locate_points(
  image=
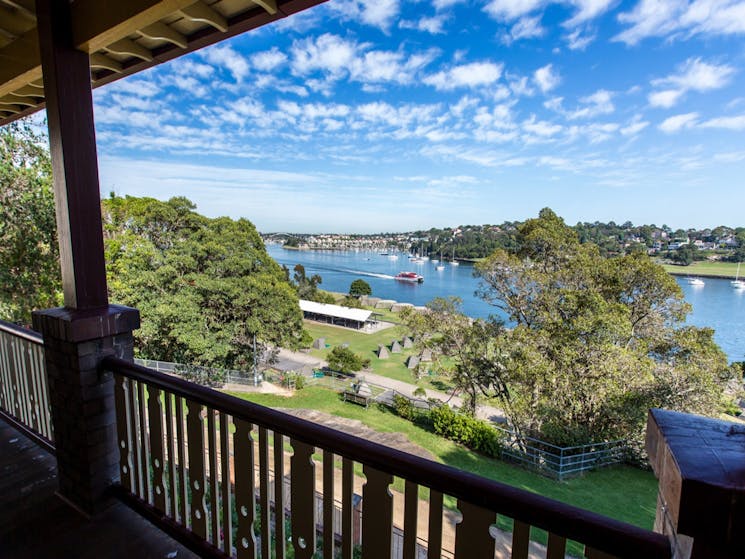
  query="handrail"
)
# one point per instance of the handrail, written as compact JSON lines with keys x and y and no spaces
{"x":21,"y":332}
{"x":572,"y":522}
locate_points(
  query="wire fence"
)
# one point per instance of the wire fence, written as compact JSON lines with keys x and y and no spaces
{"x":560,"y":462}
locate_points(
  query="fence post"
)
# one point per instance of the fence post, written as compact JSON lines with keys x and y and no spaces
{"x":701,"y":500}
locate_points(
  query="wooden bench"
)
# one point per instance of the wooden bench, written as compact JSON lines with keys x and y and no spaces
{"x":354,"y":397}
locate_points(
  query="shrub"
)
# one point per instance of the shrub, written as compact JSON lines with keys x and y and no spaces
{"x":293,"y":380}
{"x":466,"y":430}
{"x":403,"y":407}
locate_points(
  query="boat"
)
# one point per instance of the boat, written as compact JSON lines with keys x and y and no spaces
{"x":737,"y":283}
{"x":454,"y":262}
{"x":440,"y":267}
{"x":393,"y":257}
{"x":409,"y":276}
{"x":695,"y":281}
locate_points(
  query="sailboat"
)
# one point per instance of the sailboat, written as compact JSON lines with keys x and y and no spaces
{"x":439,"y":267}
{"x":737,"y":283}
{"x":454,"y":262}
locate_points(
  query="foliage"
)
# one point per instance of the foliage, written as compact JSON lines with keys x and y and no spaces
{"x":596,"y":341}
{"x":307,"y":287}
{"x":458,"y":343}
{"x":295,"y":381}
{"x":359,"y":287}
{"x":466,"y":430}
{"x":206,"y":288}
{"x":206,"y":376}
{"x":344,"y":360}
{"x":403,"y":407}
{"x":29,"y":252}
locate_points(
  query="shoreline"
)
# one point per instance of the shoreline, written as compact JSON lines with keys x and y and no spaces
{"x":683,"y":273}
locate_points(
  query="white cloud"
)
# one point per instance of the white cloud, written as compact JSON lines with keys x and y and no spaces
{"x":433,"y":25}
{"x":508,"y":10}
{"x":442,"y":4}
{"x":599,"y":103}
{"x":338,"y":57}
{"x":268,"y":60}
{"x":377,"y":13}
{"x":666,"y":98}
{"x":587,"y":10}
{"x":682,"y":18}
{"x":736,"y":123}
{"x":577,"y":41}
{"x":525,"y":28}
{"x":678,"y":122}
{"x":546,"y":79}
{"x":541,"y":128}
{"x":692,"y":75}
{"x":228,"y":58}
{"x":635,"y":126}
{"x":474,"y":74}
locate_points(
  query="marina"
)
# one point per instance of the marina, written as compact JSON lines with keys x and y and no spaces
{"x":717,"y":304}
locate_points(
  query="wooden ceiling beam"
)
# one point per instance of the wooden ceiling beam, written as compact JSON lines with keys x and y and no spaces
{"x":269,"y":5}
{"x":14,"y":22}
{"x":97,"y":24}
{"x":101,"y":61}
{"x":127,"y":47}
{"x":159,"y":30}
{"x":202,"y":12}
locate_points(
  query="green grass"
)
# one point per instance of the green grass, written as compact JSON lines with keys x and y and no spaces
{"x":621,"y":492}
{"x":366,"y":345}
{"x":717,"y":269}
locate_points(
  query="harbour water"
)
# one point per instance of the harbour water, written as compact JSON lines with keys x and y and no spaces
{"x":715,"y":305}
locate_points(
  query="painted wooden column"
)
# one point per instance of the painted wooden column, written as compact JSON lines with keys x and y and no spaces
{"x":700,"y":464}
{"x":87,"y":328}
{"x":72,"y":139}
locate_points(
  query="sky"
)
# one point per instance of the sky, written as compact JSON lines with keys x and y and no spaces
{"x":366,"y":116}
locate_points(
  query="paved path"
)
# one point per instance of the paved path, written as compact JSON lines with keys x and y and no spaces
{"x":489,"y":413}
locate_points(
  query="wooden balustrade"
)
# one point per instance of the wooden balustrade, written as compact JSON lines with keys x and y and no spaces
{"x":215,"y":467}
{"x":24,"y":395}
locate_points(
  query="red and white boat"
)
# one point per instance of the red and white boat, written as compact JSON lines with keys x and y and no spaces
{"x":409,"y":276}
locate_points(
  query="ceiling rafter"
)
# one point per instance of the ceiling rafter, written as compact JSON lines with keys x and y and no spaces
{"x":14,"y":22}
{"x":159,"y":30}
{"x":102,"y":62}
{"x":202,"y":12}
{"x":127,"y":47}
{"x":123,"y":38}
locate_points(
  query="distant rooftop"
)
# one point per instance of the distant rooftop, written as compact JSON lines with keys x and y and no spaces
{"x":336,"y":311}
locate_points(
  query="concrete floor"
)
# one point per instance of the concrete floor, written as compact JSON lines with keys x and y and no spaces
{"x":36,"y":523}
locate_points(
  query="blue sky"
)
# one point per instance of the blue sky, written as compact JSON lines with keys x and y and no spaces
{"x":393,"y":115}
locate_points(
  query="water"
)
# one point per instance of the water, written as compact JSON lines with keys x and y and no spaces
{"x":715,"y":305}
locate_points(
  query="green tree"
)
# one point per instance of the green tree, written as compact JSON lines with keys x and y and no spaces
{"x":206,"y":288}
{"x":344,"y":360}
{"x":29,"y":253}
{"x":359,"y":287}
{"x":595,"y":341}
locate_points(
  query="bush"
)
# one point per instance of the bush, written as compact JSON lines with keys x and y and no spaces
{"x":293,"y":380}
{"x":403,"y":407}
{"x":344,"y":360}
{"x":466,"y":430}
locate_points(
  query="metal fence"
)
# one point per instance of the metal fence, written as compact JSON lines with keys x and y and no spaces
{"x":204,"y":374}
{"x":560,"y":461}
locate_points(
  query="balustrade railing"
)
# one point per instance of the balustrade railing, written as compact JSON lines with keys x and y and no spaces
{"x":24,"y":396}
{"x":205,"y":464}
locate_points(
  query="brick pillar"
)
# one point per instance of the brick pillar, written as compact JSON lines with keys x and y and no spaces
{"x":82,"y":396}
{"x":700,"y":464}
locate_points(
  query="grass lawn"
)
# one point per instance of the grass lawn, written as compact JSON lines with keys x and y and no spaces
{"x":621,"y":492}
{"x":716,"y":269}
{"x":366,"y":345}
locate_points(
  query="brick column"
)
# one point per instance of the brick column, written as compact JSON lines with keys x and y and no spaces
{"x":700,"y":463}
{"x":82,"y":396}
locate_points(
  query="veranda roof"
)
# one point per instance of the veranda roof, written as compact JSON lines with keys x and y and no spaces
{"x":336,"y":311}
{"x":121,"y":38}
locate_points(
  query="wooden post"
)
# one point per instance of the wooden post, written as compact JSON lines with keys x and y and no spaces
{"x":72,"y":138}
{"x":700,"y":463}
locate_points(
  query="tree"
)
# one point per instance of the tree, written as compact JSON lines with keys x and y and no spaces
{"x":207,"y":290}
{"x":29,"y":252}
{"x":594,"y":342}
{"x":359,"y":287}
{"x":344,"y":360}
